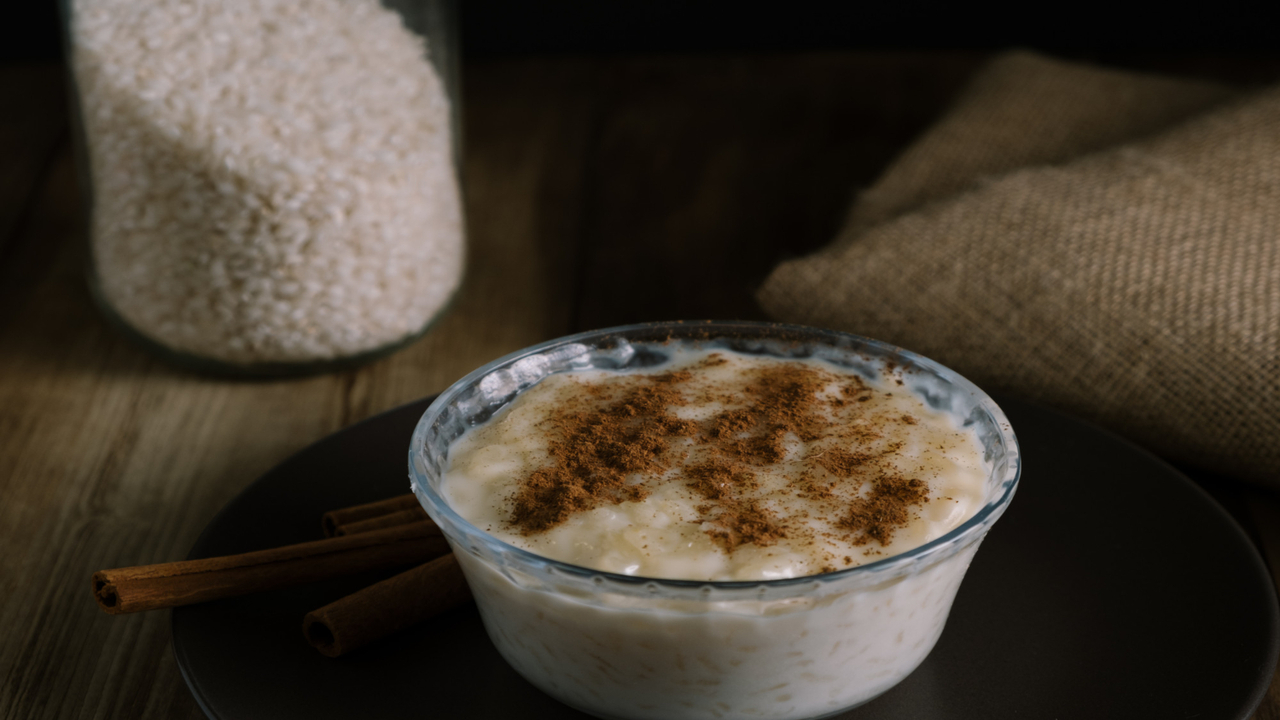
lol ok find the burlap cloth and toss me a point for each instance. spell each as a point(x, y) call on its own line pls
point(1104, 242)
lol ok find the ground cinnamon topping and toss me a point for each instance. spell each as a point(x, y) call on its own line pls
point(885, 509)
point(841, 462)
point(618, 439)
point(717, 480)
point(743, 523)
point(595, 450)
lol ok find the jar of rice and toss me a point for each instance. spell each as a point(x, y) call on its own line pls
point(273, 183)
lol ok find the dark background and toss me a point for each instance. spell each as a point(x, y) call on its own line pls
point(29, 28)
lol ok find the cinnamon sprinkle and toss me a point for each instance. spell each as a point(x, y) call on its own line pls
point(595, 450)
point(616, 440)
point(744, 523)
point(876, 516)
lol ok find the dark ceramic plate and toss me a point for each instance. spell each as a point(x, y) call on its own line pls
point(1113, 588)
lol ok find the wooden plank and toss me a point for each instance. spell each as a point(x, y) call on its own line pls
point(110, 458)
point(710, 170)
point(33, 118)
point(598, 192)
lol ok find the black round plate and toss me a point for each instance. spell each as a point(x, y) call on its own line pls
point(1113, 588)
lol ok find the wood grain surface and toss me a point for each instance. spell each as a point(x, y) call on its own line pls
point(598, 191)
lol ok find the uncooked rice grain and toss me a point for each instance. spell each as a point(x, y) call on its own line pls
point(273, 179)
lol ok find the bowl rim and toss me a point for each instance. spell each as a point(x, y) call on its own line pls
point(972, 529)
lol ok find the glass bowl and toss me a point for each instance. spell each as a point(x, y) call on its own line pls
point(626, 647)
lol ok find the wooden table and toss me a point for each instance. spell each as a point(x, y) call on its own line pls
point(599, 191)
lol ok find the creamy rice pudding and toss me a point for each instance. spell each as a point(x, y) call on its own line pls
point(711, 528)
point(718, 466)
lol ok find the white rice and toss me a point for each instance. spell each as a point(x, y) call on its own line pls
point(273, 179)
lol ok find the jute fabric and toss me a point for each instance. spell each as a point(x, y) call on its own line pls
point(1104, 242)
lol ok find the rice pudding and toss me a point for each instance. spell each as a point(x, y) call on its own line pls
point(717, 466)
point(698, 528)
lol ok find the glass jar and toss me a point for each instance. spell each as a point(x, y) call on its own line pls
point(271, 185)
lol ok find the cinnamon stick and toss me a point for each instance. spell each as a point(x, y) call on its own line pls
point(343, 516)
point(152, 587)
point(399, 517)
point(387, 607)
